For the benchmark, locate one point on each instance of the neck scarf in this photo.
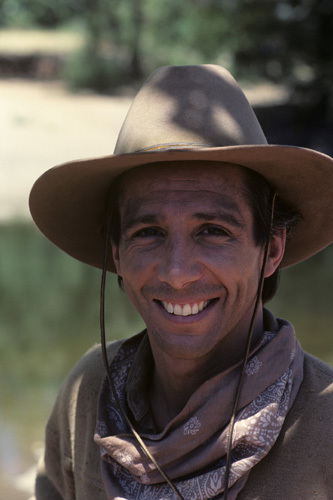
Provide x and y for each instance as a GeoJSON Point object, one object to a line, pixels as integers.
{"type": "Point", "coordinates": [192, 447]}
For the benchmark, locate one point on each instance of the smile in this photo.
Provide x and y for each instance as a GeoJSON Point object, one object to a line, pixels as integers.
{"type": "Point", "coordinates": [185, 310]}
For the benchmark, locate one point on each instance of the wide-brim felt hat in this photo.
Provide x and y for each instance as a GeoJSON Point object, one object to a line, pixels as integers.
{"type": "Point", "coordinates": [185, 113]}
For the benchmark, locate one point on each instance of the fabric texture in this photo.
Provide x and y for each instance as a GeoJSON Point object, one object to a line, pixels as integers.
{"type": "Point", "coordinates": [192, 448]}
{"type": "Point", "coordinates": [298, 467]}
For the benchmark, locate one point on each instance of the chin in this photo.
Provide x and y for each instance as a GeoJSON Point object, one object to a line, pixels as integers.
{"type": "Point", "coordinates": [183, 345]}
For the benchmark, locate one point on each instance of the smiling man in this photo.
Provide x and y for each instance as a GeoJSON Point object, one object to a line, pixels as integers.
{"type": "Point", "coordinates": [196, 213]}
{"type": "Point", "coordinates": [190, 265]}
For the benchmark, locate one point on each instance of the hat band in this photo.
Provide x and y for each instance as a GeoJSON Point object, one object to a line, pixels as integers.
{"type": "Point", "coordinates": [176, 145]}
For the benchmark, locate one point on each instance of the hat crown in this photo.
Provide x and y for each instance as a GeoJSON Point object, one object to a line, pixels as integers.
{"type": "Point", "coordinates": [188, 106]}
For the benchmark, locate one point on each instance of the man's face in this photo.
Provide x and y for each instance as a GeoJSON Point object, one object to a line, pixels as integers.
{"type": "Point", "coordinates": [187, 256]}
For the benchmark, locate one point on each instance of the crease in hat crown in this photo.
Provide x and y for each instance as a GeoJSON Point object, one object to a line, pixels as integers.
{"type": "Point", "coordinates": [189, 106]}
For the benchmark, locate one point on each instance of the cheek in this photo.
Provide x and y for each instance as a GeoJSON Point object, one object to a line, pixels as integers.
{"type": "Point", "coordinates": [124, 261]}
{"type": "Point", "coordinates": [136, 273]}
{"type": "Point", "coordinates": [135, 267]}
{"type": "Point", "coordinates": [139, 262]}
{"type": "Point", "coordinates": [132, 289]}
{"type": "Point", "coordinates": [237, 266]}
{"type": "Point", "coordinates": [240, 275]}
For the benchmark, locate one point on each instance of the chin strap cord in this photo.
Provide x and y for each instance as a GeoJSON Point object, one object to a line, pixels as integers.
{"type": "Point", "coordinates": [246, 356]}
{"type": "Point", "coordinates": [107, 370]}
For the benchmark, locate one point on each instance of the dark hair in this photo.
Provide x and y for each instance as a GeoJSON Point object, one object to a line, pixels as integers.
{"type": "Point", "coordinates": [112, 216]}
{"type": "Point", "coordinates": [258, 194]}
{"type": "Point", "coordinates": [113, 209]}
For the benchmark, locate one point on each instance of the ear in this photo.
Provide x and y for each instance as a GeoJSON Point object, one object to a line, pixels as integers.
{"type": "Point", "coordinates": [275, 252]}
{"type": "Point", "coordinates": [116, 257]}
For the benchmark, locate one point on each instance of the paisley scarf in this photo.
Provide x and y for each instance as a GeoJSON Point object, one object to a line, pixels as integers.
{"type": "Point", "coordinates": [192, 447]}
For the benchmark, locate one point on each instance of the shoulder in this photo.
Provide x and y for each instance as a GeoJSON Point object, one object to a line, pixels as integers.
{"type": "Point", "coordinates": [72, 460]}
{"type": "Point", "coordinates": [298, 465]}
{"type": "Point", "coordinates": [316, 391]}
{"type": "Point", "coordinates": [89, 370]}
{"type": "Point", "coordinates": [314, 399]}
{"type": "Point", "coordinates": [317, 370]}
{"type": "Point", "coordinates": [314, 402]}
{"type": "Point", "coordinates": [308, 433]}
{"type": "Point", "coordinates": [76, 403]}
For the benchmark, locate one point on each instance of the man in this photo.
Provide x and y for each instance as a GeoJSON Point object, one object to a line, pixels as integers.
{"type": "Point", "coordinates": [196, 213]}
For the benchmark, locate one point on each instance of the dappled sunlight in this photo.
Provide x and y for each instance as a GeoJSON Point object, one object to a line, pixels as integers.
{"type": "Point", "coordinates": [206, 121]}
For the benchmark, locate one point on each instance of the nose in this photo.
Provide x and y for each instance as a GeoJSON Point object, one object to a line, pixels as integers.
{"type": "Point", "coordinates": [179, 266]}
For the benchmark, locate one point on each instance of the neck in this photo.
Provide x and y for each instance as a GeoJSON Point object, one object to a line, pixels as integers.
{"type": "Point", "coordinates": [176, 379]}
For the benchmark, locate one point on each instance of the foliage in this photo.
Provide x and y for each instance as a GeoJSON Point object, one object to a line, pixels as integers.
{"type": "Point", "coordinates": [26, 13]}
{"type": "Point", "coordinates": [49, 318]}
{"type": "Point", "coordinates": [304, 298]}
{"type": "Point", "coordinates": [200, 27]}
{"type": "Point", "coordinates": [50, 307]}
{"type": "Point", "coordinates": [288, 41]}
{"type": "Point", "coordinates": [85, 69]}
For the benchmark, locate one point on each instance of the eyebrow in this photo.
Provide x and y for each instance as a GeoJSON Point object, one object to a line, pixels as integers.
{"type": "Point", "coordinates": [131, 222]}
{"type": "Point", "coordinates": [219, 216]}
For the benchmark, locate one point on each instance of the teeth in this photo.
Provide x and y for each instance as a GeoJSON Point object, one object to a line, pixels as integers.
{"type": "Point", "coordinates": [169, 307]}
{"type": "Point", "coordinates": [177, 310]}
{"type": "Point", "coordinates": [186, 310]}
{"type": "Point", "coordinates": [202, 305]}
{"type": "Point", "coordinates": [195, 309]}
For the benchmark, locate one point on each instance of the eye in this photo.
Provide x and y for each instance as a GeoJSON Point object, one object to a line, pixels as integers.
{"type": "Point", "coordinates": [214, 231]}
{"type": "Point", "coordinates": [148, 232]}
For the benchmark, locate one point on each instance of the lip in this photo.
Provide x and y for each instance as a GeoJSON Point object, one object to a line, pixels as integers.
{"type": "Point", "coordinates": [191, 318]}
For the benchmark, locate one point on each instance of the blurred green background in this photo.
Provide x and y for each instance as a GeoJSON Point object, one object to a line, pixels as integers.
{"type": "Point", "coordinates": [84, 59]}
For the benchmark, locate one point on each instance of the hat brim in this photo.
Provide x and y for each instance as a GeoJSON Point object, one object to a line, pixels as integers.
{"type": "Point", "coordinates": [68, 202]}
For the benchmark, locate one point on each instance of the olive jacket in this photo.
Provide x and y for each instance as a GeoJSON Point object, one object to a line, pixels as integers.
{"type": "Point", "coordinates": [299, 466]}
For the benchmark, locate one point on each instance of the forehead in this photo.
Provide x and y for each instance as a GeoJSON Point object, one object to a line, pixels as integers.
{"type": "Point", "coordinates": [191, 182]}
